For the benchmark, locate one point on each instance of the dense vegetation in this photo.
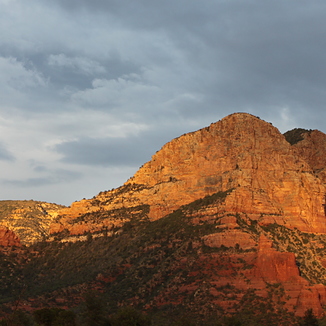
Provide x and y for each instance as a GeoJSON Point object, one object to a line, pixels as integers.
{"type": "Point", "coordinates": [110, 280]}
{"type": "Point", "coordinates": [29, 219]}
{"type": "Point", "coordinates": [254, 312]}
{"type": "Point", "coordinates": [295, 135]}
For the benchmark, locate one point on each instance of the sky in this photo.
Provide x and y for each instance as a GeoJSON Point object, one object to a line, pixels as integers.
{"type": "Point", "coordinates": [90, 89]}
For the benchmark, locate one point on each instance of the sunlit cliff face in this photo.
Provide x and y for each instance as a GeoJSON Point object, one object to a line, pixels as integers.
{"type": "Point", "coordinates": [269, 179]}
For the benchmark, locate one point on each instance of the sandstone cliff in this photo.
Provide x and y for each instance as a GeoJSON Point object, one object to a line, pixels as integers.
{"type": "Point", "coordinates": [310, 145]}
{"type": "Point", "coordinates": [8, 238]}
{"type": "Point", "coordinates": [271, 181]}
{"type": "Point", "coordinates": [241, 255]}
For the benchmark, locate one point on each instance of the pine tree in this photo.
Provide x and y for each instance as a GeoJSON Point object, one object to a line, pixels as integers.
{"type": "Point", "coordinates": [309, 319]}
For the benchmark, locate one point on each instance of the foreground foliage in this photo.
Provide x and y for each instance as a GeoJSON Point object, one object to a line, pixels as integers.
{"type": "Point", "coordinates": [129, 316]}
{"type": "Point", "coordinates": [151, 261]}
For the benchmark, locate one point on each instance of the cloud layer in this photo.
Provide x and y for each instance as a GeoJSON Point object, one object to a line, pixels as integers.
{"type": "Point", "coordinates": [91, 89]}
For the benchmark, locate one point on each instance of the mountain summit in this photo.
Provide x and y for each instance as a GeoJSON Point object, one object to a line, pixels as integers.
{"type": "Point", "coordinates": [270, 180]}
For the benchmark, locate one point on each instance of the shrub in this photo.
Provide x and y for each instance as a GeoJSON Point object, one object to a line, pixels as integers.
{"type": "Point", "coordinates": [129, 316]}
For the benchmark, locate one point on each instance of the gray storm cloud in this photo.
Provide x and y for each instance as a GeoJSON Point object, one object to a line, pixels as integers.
{"type": "Point", "coordinates": [94, 88]}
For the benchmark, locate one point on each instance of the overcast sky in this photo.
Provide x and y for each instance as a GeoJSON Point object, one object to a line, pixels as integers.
{"type": "Point", "coordinates": [90, 89]}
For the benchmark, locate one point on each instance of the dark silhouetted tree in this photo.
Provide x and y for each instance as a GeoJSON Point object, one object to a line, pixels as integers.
{"type": "Point", "coordinates": [54, 317]}
{"type": "Point", "coordinates": [95, 314]}
{"type": "Point", "coordinates": [309, 319]}
{"type": "Point", "coordinates": [129, 316]}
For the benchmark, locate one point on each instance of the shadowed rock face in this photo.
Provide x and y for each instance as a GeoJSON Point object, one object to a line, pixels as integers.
{"type": "Point", "coordinates": [8, 238]}
{"type": "Point", "coordinates": [270, 180]}
{"type": "Point", "coordinates": [311, 146]}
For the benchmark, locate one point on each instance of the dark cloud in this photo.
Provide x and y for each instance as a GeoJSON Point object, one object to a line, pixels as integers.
{"type": "Point", "coordinates": [75, 75]}
{"type": "Point", "coordinates": [147, 15]}
{"type": "Point", "coordinates": [119, 152]}
{"type": "Point", "coordinates": [73, 70]}
{"type": "Point", "coordinates": [51, 178]}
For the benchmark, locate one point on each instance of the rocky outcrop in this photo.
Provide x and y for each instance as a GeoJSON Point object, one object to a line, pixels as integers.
{"type": "Point", "coordinates": [8, 238]}
{"type": "Point", "coordinates": [311, 145]}
{"type": "Point", "coordinates": [29, 219]}
{"type": "Point", "coordinates": [229, 238]}
{"type": "Point", "coordinates": [271, 181]}
{"type": "Point", "coordinates": [256, 264]}
{"type": "Point", "coordinates": [275, 267]}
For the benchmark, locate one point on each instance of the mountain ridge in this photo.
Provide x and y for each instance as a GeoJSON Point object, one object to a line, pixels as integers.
{"type": "Point", "coordinates": [229, 212]}
{"type": "Point", "coordinates": [240, 151]}
{"type": "Point", "coordinates": [28, 219]}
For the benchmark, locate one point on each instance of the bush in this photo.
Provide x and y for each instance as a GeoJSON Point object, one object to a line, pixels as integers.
{"type": "Point", "coordinates": [129, 316]}
{"type": "Point", "coordinates": [54, 317]}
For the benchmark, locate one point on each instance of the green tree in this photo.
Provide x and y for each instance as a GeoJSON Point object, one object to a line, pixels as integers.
{"type": "Point", "coordinates": [95, 314]}
{"type": "Point", "coordinates": [129, 316]}
{"type": "Point", "coordinates": [231, 321]}
{"type": "Point", "coordinates": [183, 321]}
{"type": "Point", "coordinates": [65, 318]}
{"type": "Point", "coordinates": [18, 318]}
{"type": "Point", "coordinates": [44, 317]}
{"type": "Point", "coordinates": [322, 321]}
{"type": "Point", "coordinates": [309, 319]}
{"type": "Point", "coordinates": [54, 317]}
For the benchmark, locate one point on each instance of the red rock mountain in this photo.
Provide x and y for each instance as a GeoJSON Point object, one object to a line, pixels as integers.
{"type": "Point", "coordinates": [229, 214]}
{"type": "Point", "coordinates": [271, 180]}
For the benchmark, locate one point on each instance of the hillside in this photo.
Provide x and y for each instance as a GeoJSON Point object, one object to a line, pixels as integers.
{"type": "Point", "coordinates": [29, 219]}
{"type": "Point", "coordinates": [227, 220]}
{"type": "Point", "coordinates": [241, 152]}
